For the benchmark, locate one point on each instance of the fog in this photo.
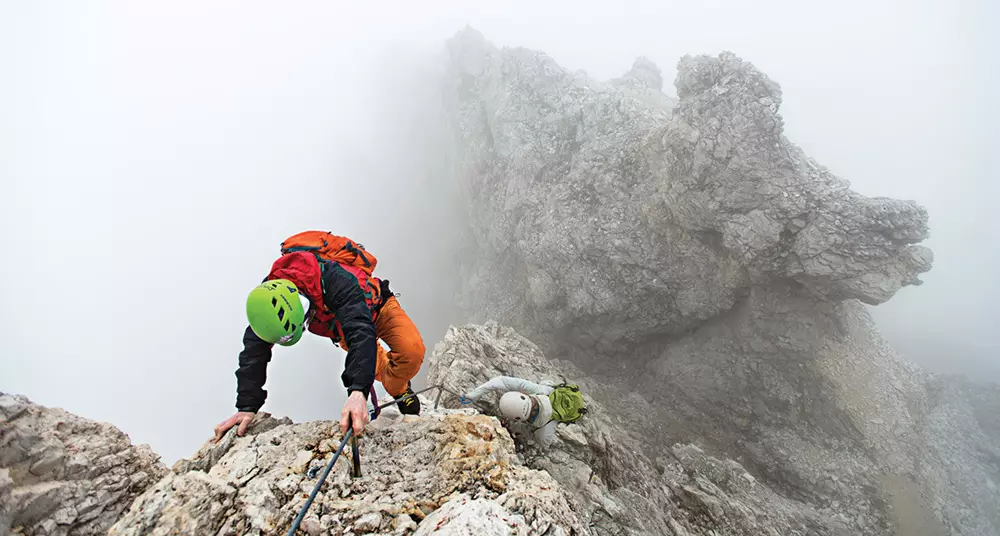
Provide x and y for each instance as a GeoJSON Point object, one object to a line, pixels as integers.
{"type": "Point", "coordinates": [154, 156]}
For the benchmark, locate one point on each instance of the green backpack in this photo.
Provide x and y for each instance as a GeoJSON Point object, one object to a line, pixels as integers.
{"type": "Point", "coordinates": [567, 403]}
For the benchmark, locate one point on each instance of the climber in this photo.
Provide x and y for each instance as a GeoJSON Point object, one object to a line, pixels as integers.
{"type": "Point", "coordinates": [540, 407]}
{"type": "Point", "coordinates": [323, 283]}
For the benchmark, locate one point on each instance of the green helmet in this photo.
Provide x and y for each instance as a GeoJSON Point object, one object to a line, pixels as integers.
{"type": "Point", "coordinates": [275, 312]}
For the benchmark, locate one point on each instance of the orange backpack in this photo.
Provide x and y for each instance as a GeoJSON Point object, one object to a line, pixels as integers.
{"type": "Point", "coordinates": [331, 247]}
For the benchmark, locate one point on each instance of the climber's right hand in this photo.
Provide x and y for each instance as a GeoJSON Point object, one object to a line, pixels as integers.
{"type": "Point", "coordinates": [464, 400]}
{"type": "Point", "coordinates": [242, 418]}
{"type": "Point", "coordinates": [355, 413]}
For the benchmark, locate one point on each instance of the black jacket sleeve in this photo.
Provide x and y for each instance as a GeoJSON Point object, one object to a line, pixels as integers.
{"type": "Point", "coordinates": [252, 372]}
{"type": "Point", "coordinates": [344, 297]}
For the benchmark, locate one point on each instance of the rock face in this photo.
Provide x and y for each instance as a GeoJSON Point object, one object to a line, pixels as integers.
{"type": "Point", "coordinates": [454, 470]}
{"type": "Point", "coordinates": [445, 472]}
{"type": "Point", "coordinates": [599, 461]}
{"type": "Point", "coordinates": [712, 279]}
{"type": "Point", "coordinates": [608, 204]}
{"type": "Point", "coordinates": [812, 399]}
{"type": "Point", "coordinates": [64, 475]}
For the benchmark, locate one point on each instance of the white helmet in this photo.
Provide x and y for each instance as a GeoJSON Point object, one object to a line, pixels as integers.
{"type": "Point", "coordinates": [515, 406]}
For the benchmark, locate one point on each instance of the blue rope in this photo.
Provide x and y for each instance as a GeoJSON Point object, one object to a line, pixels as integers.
{"type": "Point", "coordinates": [322, 478]}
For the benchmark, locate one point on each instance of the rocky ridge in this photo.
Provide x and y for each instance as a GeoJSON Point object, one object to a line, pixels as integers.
{"type": "Point", "coordinates": [586, 199]}
{"type": "Point", "coordinates": [713, 278]}
{"type": "Point", "coordinates": [677, 489]}
{"type": "Point", "coordinates": [452, 470]}
{"type": "Point", "coordinates": [64, 475]}
{"type": "Point", "coordinates": [439, 473]}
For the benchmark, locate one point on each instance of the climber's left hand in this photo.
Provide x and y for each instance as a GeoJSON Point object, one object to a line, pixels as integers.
{"type": "Point", "coordinates": [355, 413]}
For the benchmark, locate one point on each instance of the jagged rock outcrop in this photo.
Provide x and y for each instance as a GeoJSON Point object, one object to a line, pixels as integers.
{"type": "Point", "coordinates": [591, 205]}
{"type": "Point", "coordinates": [452, 471]}
{"type": "Point", "coordinates": [613, 483]}
{"type": "Point", "coordinates": [712, 278]}
{"type": "Point", "coordinates": [440, 473]}
{"type": "Point", "coordinates": [64, 475]}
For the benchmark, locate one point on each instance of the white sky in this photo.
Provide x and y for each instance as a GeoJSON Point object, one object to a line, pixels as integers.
{"type": "Point", "coordinates": [153, 155]}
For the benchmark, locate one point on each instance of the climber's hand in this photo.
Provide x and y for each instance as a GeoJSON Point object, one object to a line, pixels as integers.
{"type": "Point", "coordinates": [355, 413]}
{"type": "Point", "coordinates": [242, 418]}
{"type": "Point", "coordinates": [464, 400]}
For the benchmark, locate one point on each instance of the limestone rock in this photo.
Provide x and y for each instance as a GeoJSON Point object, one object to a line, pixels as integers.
{"type": "Point", "coordinates": [62, 474]}
{"type": "Point", "coordinates": [644, 73]}
{"type": "Point", "coordinates": [461, 516]}
{"type": "Point", "coordinates": [412, 467]}
{"type": "Point", "coordinates": [601, 464]}
{"type": "Point", "coordinates": [709, 281]}
{"type": "Point", "coordinates": [6, 486]}
{"type": "Point", "coordinates": [875, 450]}
{"type": "Point", "coordinates": [594, 203]}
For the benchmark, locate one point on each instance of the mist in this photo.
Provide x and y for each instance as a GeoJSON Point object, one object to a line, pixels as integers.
{"type": "Point", "coordinates": [153, 157]}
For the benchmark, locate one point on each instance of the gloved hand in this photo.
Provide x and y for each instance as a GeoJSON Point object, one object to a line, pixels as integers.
{"type": "Point", "coordinates": [464, 401]}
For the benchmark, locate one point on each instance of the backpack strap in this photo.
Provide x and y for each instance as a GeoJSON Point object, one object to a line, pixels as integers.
{"type": "Point", "coordinates": [373, 292]}
{"type": "Point", "coordinates": [360, 252]}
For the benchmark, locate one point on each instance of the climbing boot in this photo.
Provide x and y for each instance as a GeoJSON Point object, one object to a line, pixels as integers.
{"type": "Point", "coordinates": [411, 404]}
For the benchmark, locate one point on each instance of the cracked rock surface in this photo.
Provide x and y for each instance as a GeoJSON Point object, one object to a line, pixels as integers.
{"type": "Point", "coordinates": [444, 472]}
{"type": "Point", "coordinates": [61, 474]}
{"type": "Point", "coordinates": [457, 470]}
{"type": "Point", "coordinates": [678, 489]}
{"type": "Point", "coordinates": [924, 463]}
